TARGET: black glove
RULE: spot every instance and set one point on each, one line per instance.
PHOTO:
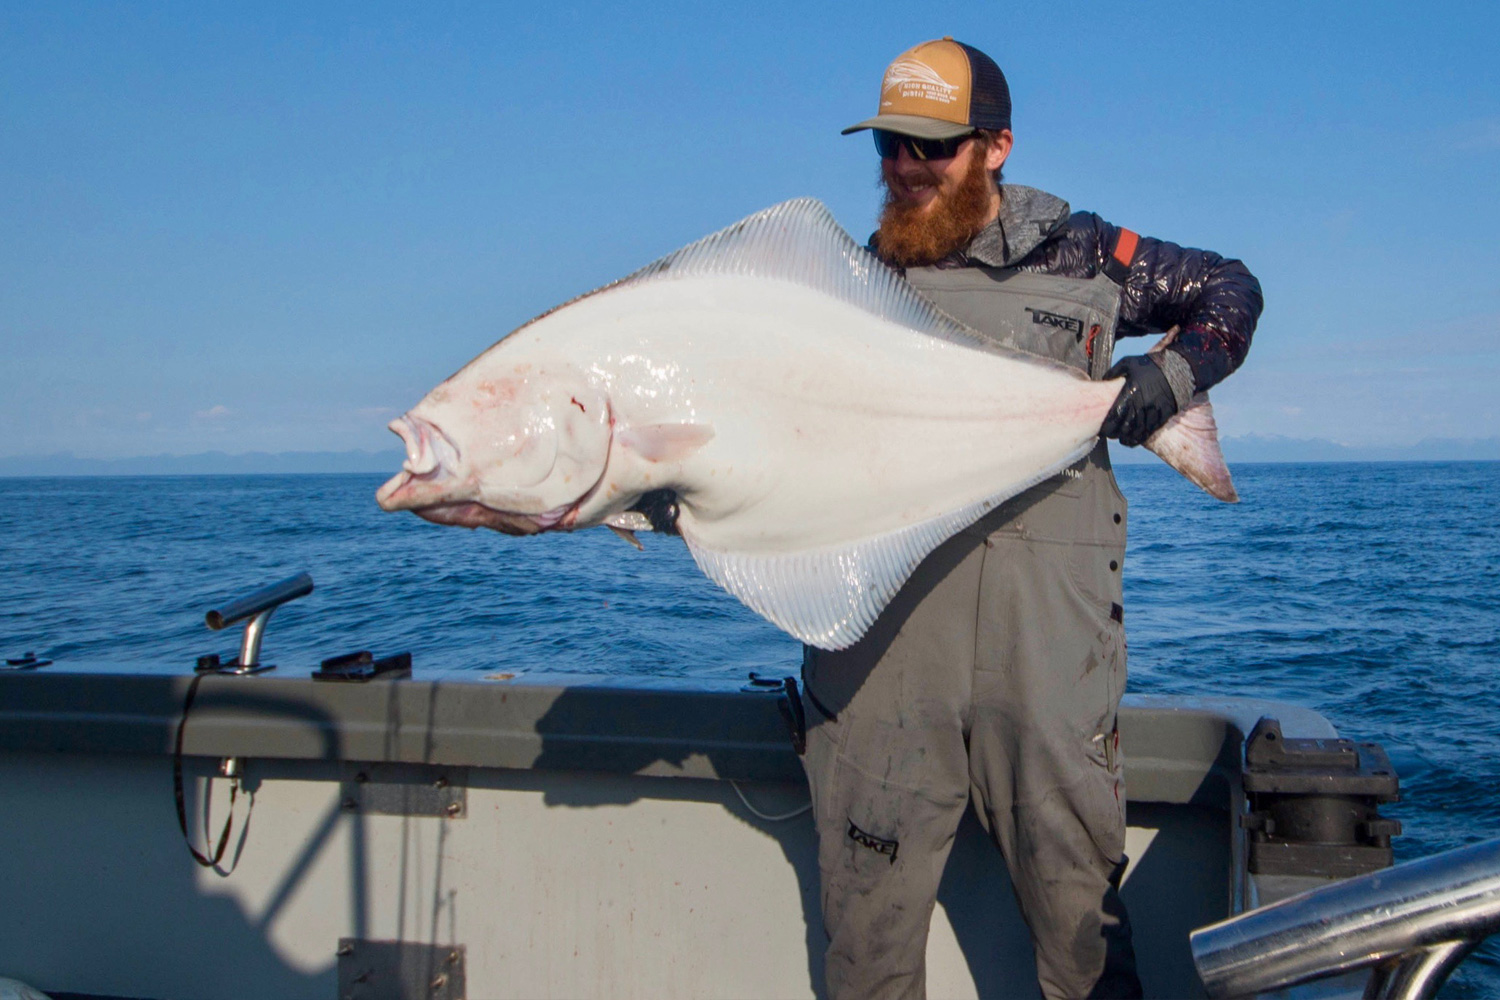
(1143, 405)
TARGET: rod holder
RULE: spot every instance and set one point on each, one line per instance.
(258, 608)
(1413, 923)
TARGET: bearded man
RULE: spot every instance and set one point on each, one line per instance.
(997, 672)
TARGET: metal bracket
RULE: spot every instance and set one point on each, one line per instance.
(400, 970)
(258, 607)
(405, 790)
(760, 683)
(1314, 804)
(360, 667)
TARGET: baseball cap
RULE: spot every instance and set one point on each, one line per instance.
(940, 90)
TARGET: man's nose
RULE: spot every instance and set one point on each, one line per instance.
(905, 162)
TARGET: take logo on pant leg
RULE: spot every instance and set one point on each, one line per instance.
(877, 844)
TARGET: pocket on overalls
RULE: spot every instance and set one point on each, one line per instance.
(1108, 824)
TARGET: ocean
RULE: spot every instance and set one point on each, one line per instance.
(1369, 592)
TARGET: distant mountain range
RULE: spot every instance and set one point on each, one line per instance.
(1250, 448)
(1275, 448)
(206, 463)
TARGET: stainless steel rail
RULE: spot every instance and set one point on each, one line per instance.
(258, 607)
(1414, 923)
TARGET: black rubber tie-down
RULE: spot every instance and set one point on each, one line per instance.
(793, 715)
(234, 788)
(822, 708)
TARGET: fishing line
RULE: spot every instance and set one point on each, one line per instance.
(767, 816)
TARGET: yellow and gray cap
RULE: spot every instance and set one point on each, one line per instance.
(941, 90)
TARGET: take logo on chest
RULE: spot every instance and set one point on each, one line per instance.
(1044, 318)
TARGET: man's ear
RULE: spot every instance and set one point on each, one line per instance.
(998, 149)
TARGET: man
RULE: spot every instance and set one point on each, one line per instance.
(997, 671)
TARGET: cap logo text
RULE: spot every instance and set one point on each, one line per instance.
(910, 80)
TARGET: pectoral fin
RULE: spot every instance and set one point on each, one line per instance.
(666, 442)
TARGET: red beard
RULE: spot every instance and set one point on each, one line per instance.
(913, 235)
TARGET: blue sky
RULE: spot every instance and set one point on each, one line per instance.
(273, 227)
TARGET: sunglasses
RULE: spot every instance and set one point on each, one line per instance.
(889, 144)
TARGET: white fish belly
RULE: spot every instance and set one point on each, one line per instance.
(830, 424)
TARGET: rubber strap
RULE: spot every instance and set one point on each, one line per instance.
(234, 789)
(795, 718)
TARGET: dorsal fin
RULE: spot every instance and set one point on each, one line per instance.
(800, 242)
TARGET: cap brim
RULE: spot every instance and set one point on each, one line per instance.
(913, 125)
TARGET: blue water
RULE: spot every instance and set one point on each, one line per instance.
(1369, 592)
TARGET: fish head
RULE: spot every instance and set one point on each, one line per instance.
(515, 449)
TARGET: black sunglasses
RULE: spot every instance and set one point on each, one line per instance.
(889, 144)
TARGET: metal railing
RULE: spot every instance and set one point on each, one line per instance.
(1413, 924)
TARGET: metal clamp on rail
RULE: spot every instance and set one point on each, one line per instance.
(29, 661)
(362, 666)
(258, 608)
(1413, 924)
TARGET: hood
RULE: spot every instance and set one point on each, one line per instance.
(1027, 217)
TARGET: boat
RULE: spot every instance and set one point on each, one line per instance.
(373, 828)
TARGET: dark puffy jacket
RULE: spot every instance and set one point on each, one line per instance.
(1214, 300)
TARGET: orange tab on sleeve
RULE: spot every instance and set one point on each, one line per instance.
(1125, 246)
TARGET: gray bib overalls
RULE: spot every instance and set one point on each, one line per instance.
(994, 674)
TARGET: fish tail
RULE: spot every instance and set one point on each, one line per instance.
(1189, 443)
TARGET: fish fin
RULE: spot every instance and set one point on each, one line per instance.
(626, 534)
(801, 243)
(1189, 440)
(666, 442)
(829, 597)
(1189, 443)
(628, 520)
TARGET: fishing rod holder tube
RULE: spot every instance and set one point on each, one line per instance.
(1413, 924)
(257, 607)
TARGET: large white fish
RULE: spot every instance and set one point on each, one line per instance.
(823, 426)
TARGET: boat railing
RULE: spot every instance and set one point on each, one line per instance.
(1412, 924)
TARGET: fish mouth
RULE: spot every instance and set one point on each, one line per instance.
(424, 486)
(430, 460)
(472, 514)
